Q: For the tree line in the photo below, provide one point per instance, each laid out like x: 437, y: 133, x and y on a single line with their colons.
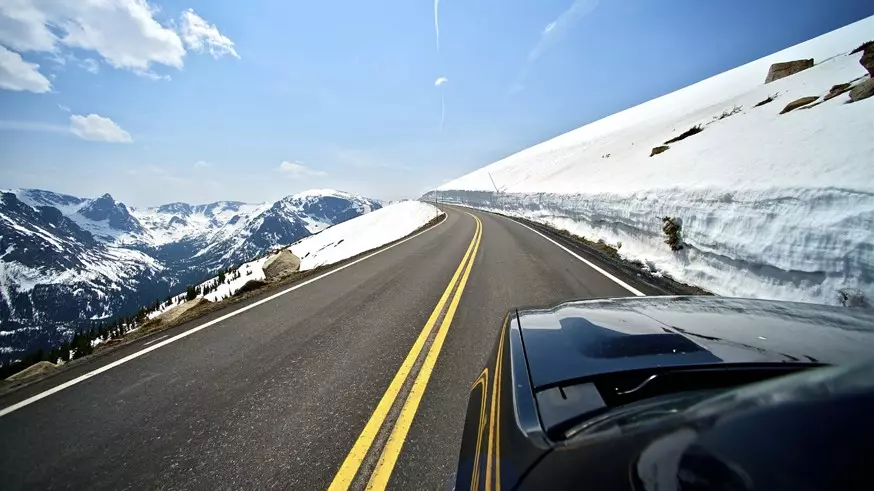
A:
x: 82, y: 343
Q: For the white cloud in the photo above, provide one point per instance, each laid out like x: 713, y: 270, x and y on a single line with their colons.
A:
x: 17, y: 74
x: 24, y: 26
x: 202, y: 164
x: 440, y: 81
x: 64, y: 108
x: 200, y: 36
x: 90, y: 65
x: 124, y: 33
x: 555, y: 29
x: 297, y: 170
x: 97, y: 128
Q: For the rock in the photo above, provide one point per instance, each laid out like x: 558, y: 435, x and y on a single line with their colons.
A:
x: 782, y: 70
x: 282, y: 264
x: 862, y: 91
x: 658, y: 150
x: 798, y: 103
x: 837, y: 90
x: 39, y: 368
x: 249, y: 286
x: 867, y: 59
x: 852, y: 297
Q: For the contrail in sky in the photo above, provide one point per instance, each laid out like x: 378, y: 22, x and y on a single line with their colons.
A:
x: 437, y: 22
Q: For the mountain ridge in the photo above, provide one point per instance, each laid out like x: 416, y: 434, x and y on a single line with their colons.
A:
x: 68, y: 264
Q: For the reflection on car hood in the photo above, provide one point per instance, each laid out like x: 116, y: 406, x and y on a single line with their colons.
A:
x: 580, y: 339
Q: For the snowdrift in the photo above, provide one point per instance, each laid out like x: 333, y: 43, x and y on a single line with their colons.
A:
x: 361, y: 234
x: 772, y: 205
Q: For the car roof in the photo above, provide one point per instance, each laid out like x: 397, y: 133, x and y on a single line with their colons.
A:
x: 576, y: 340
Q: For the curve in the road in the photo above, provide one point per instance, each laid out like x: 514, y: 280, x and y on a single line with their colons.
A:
x: 110, y: 366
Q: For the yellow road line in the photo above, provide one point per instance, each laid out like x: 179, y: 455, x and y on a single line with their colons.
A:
x: 391, y: 451
x: 352, y: 462
x: 495, y: 389
x: 498, y: 414
x: 483, y: 380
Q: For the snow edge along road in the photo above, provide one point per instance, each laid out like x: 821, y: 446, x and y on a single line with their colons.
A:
x: 132, y: 356
x: 585, y: 261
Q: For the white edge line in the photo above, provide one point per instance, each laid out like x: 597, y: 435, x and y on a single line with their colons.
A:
x: 110, y: 366
x: 589, y: 263
x: 155, y: 340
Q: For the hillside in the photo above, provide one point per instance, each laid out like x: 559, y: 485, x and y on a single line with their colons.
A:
x: 770, y: 204
x: 67, y: 264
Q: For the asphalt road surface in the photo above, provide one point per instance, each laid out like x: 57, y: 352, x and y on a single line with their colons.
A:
x: 359, y: 377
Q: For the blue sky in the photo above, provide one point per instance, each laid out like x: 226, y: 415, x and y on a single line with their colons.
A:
x: 199, y: 101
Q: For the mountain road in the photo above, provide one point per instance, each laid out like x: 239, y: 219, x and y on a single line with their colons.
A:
x: 356, y: 377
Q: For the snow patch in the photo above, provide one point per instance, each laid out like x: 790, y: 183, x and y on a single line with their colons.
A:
x: 363, y: 233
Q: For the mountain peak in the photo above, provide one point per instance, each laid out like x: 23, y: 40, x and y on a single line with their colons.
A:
x: 106, y: 208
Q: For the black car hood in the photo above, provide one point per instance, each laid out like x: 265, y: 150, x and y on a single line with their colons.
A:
x: 576, y: 340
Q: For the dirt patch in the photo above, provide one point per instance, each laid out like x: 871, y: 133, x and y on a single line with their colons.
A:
x: 251, y: 286
x: 37, y: 369
x: 769, y: 99
x: 686, y: 134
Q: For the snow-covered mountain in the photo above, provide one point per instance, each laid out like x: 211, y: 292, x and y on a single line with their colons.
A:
x: 772, y: 203
x: 68, y: 263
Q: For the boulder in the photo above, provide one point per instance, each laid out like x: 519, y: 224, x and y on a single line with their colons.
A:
x: 281, y: 264
x: 658, y: 150
x: 837, y: 90
x: 798, y: 103
x: 782, y: 70
x: 867, y: 59
x: 249, y: 286
x: 862, y: 91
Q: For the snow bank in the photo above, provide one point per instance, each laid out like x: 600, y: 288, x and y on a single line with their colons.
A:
x: 333, y: 244
x: 363, y: 233
x: 772, y: 206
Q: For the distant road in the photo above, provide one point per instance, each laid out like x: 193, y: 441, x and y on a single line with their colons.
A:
x: 310, y: 389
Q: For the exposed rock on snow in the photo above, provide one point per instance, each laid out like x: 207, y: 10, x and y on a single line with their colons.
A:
x: 862, y: 91
x: 798, y: 103
x: 772, y: 206
x: 281, y: 264
x: 659, y: 149
x: 784, y: 69
x: 867, y: 59
x: 837, y: 90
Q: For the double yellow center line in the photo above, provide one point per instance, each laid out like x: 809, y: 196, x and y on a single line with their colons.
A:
x: 388, y: 458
